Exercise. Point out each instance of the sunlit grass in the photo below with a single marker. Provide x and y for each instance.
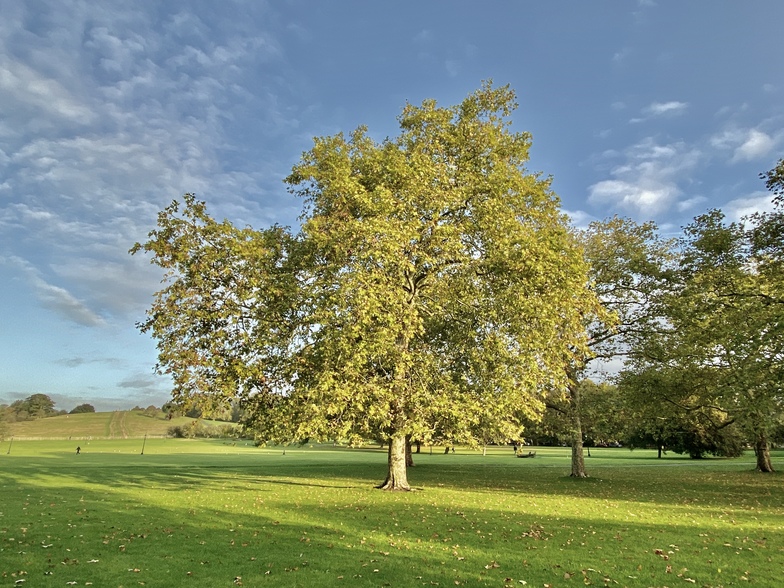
(213, 513)
(122, 424)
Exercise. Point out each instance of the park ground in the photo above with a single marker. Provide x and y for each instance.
(222, 513)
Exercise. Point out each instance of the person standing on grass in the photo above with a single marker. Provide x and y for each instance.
(78, 450)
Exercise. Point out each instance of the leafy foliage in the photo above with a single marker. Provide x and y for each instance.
(434, 289)
(83, 408)
(35, 406)
(720, 352)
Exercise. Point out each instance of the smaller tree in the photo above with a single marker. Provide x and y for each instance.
(152, 411)
(83, 408)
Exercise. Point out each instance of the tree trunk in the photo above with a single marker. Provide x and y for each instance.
(418, 446)
(762, 451)
(397, 478)
(446, 449)
(409, 458)
(578, 459)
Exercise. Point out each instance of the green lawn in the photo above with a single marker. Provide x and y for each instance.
(210, 513)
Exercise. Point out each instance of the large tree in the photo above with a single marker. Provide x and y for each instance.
(35, 406)
(433, 285)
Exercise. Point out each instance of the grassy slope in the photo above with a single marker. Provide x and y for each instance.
(209, 513)
(113, 425)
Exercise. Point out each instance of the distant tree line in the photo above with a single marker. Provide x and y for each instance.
(36, 406)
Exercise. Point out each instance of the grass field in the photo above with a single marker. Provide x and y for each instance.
(210, 513)
(121, 424)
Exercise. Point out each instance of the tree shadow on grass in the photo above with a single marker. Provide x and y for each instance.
(171, 527)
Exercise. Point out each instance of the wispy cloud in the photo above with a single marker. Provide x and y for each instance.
(75, 362)
(115, 115)
(148, 383)
(660, 108)
(56, 298)
(648, 181)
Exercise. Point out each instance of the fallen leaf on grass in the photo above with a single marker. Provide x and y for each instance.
(492, 564)
(135, 570)
(661, 554)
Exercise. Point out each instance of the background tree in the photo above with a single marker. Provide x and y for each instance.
(83, 408)
(629, 268)
(35, 406)
(667, 409)
(602, 418)
(3, 421)
(724, 336)
(433, 280)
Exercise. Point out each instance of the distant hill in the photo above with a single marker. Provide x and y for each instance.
(108, 425)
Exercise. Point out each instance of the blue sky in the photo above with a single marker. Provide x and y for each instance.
(109, 110)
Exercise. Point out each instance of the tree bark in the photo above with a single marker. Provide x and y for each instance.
(762, 451)
(397, 476)
(409, 457)
(578, 459)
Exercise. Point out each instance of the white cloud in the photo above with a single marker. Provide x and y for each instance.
(660, 108)
(647, 183)
(741, 207)
(756, 145)
(746, 144)
(579, 218)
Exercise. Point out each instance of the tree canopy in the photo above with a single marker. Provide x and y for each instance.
(433, 285)
(720, 352)
(35, 406)
(86, 407)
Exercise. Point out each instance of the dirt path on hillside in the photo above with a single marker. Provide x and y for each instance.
(118, 426)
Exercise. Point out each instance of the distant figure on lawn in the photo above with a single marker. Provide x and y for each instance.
(78, 450)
